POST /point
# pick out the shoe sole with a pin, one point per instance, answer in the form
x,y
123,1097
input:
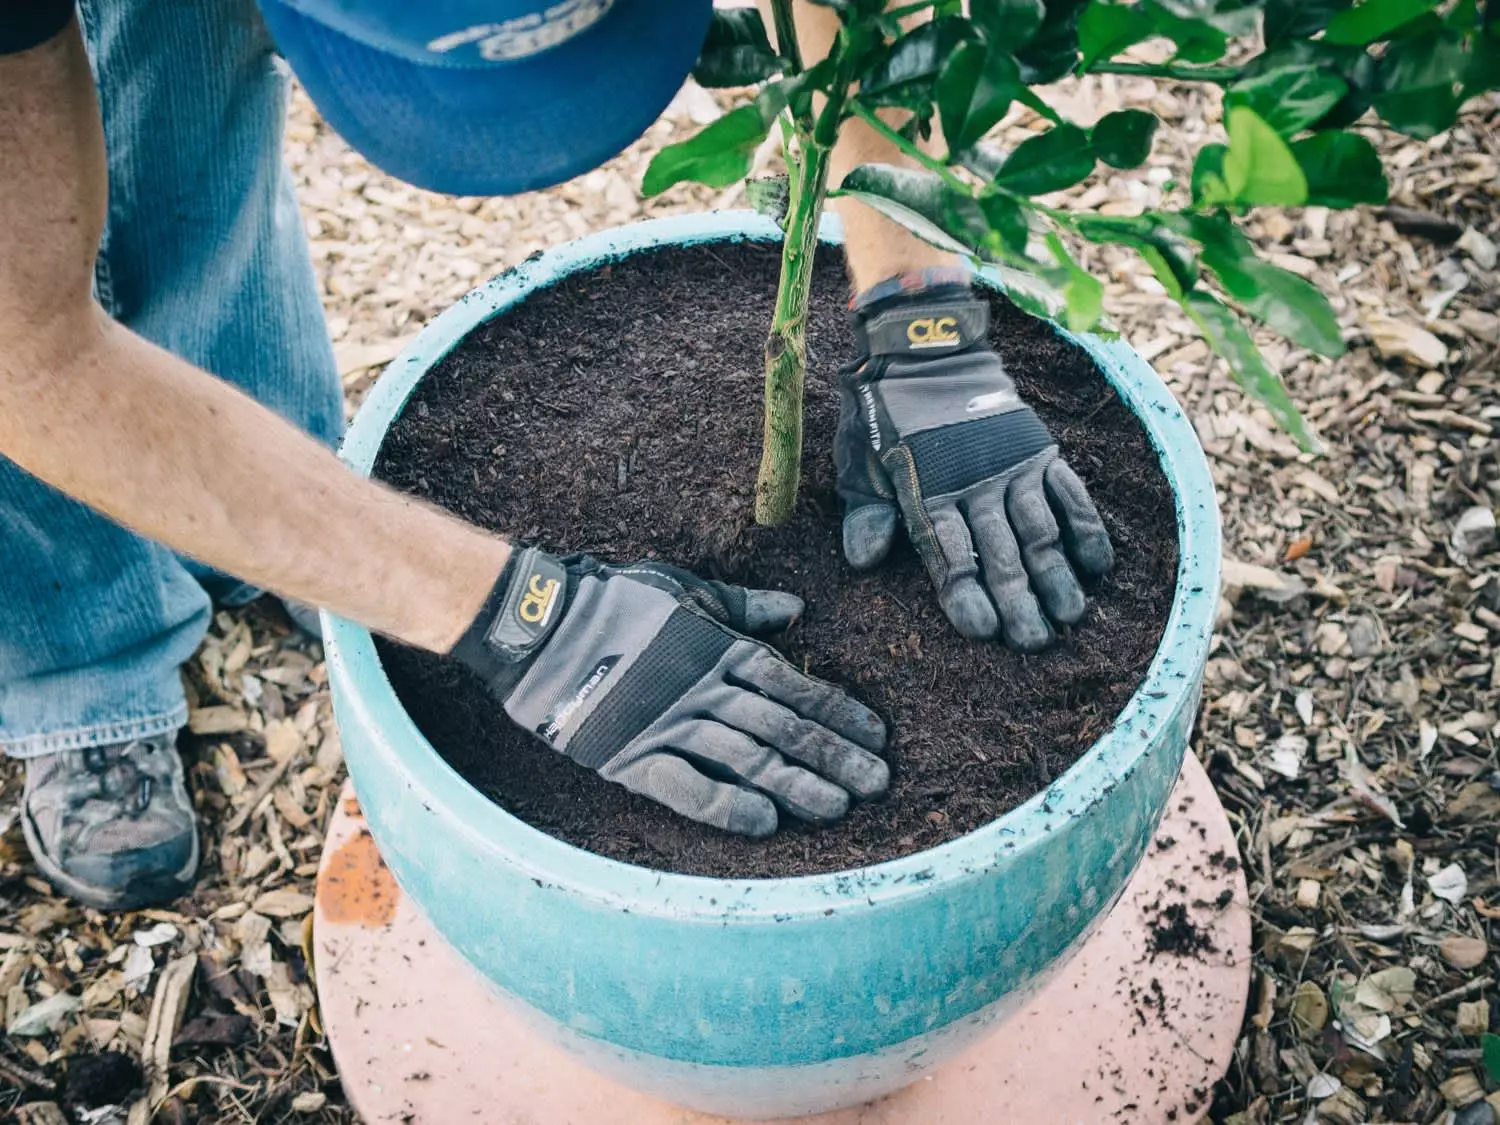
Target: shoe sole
x,y
149,891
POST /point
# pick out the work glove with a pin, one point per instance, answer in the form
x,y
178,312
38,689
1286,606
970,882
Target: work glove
x,y
642,673
930,426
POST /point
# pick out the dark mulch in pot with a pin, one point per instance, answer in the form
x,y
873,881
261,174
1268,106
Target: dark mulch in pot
x,y
619,413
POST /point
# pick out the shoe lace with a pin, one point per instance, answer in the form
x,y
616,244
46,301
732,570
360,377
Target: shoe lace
x,y
114,773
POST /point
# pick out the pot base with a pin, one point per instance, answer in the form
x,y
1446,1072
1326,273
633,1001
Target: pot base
x,y
1137,1027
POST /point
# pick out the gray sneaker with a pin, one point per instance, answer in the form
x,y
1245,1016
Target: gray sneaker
x,y
112,826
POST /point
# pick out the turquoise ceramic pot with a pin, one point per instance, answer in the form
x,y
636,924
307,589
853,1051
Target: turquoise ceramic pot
x,y
773,997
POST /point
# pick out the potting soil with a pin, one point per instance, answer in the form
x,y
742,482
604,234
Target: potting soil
x,y
619,413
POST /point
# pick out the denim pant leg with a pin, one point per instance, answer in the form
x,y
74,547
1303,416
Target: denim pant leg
x,y
204,254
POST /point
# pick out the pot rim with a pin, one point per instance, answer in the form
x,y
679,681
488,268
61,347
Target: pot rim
x,y
363,692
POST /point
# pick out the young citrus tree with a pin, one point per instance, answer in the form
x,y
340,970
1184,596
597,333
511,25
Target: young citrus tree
x,y
1309,70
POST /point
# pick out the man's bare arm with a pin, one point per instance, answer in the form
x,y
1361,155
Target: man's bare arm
x,y
164,448
876,247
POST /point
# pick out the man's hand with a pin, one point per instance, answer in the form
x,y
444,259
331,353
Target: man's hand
x,y
641,673
931,423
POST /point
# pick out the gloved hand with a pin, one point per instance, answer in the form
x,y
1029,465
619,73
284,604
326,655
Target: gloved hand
x,y
931,424
641,673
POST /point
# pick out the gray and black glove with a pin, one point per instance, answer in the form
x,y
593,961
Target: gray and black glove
x,y
641,673
931,424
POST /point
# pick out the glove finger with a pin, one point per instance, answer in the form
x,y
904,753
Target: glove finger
x,y
869,531
760,668
675,783
942,540
722,749
769,611
1083,531
1025,628
743,610
954,572
968,607
1041,550
849,766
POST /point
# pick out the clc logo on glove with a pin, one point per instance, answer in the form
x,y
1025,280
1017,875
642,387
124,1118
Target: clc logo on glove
x,y
932,332
536,604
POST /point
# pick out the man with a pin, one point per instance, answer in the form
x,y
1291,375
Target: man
x,y
151,237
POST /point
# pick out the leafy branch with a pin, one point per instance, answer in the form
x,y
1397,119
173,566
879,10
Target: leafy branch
x,y
1321,67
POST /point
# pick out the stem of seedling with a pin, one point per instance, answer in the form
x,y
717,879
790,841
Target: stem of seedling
x,y
1171,73
786,345
908,146
786,36
908,10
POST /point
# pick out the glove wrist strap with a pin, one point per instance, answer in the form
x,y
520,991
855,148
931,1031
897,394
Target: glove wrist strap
x,y
919,329
919,315
519,615
910,282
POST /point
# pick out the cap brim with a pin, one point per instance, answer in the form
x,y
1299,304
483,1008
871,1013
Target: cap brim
x,y
505,129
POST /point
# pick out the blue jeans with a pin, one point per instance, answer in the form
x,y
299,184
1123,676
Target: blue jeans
x,y
205,255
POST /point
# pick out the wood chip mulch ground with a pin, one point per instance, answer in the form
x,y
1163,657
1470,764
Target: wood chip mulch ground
x,y
1351,710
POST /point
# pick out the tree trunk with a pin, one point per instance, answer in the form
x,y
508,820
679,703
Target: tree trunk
x,y
786,346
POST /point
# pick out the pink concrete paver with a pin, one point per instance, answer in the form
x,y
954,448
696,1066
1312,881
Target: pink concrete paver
x,y
1120,1034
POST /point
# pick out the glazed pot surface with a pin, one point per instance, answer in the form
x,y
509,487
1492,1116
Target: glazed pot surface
x,y
774,997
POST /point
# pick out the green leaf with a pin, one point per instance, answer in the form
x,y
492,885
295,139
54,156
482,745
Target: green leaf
x,y
1208,186
1032,292
854,10
1150,235
1259,168
974,90
1027,97
1197,41
737,51
1057,159
922,202
719,155
1276,297
1490,1046
1289,99
1342,170
1229,338
858,47
1484,69
907,72
1295,19
1340,994
1374,19
1352,64
984,160
1464,16
1104,30
1053,51
1007,24
1007,219
1419,83
769,195
889,22
1083,292
1123,139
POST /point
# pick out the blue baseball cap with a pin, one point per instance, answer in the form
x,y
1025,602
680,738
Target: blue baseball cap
x,y
489,97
